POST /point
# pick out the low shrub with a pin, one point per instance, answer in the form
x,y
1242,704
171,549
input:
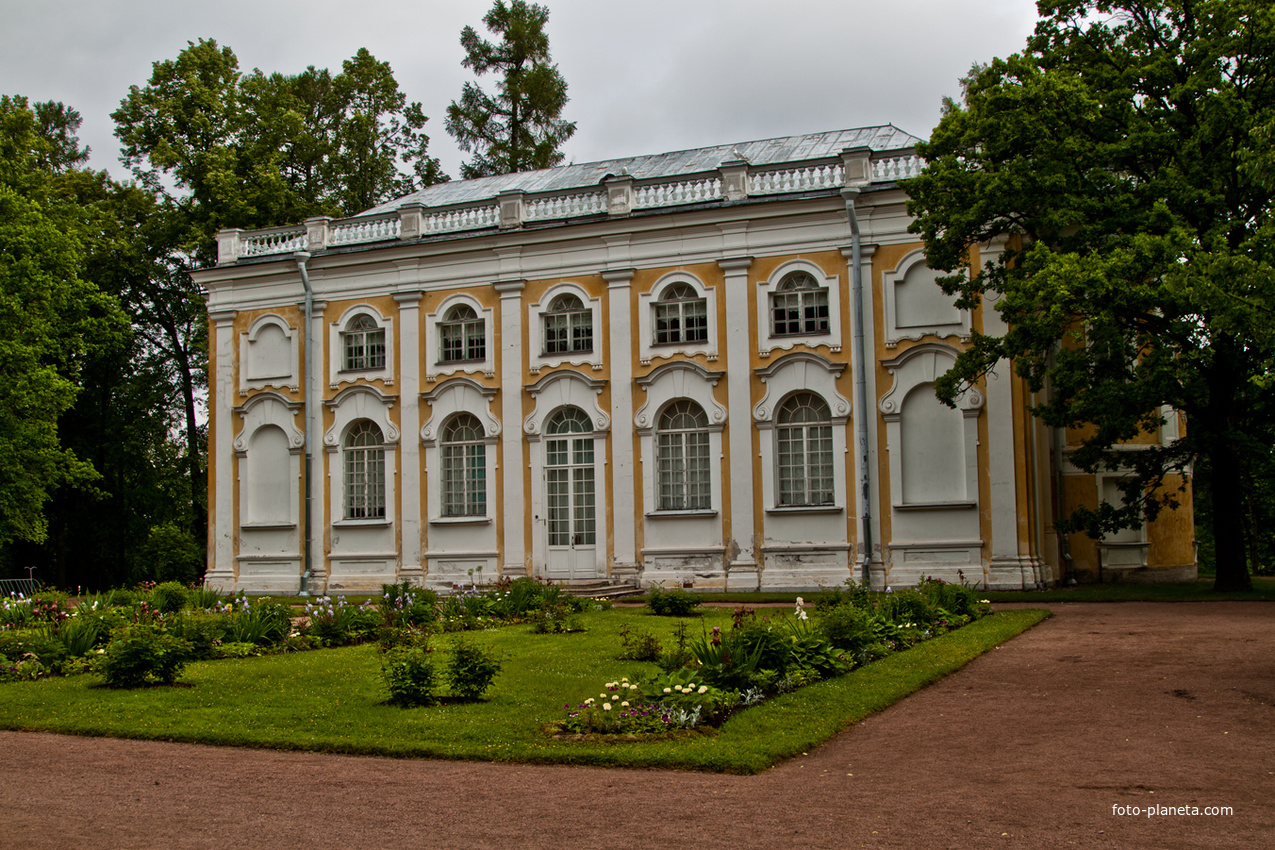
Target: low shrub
x,y
142,654
169,597
203,631
335,622
204,598
471,669
847,627
671,603
408,674
404,605
262,621
642,646
557,618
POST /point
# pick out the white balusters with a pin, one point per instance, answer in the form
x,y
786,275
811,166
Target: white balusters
x,y
692,191
353,231
896,168
565,206
802,178
469,218
274,241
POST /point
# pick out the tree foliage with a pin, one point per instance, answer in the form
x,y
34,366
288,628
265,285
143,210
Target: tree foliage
x,y
520,127
1125,155
51,318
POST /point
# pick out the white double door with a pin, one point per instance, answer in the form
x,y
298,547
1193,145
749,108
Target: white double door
x,y
571,507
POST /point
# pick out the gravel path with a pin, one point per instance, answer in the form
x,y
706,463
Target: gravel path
x,y
1032,745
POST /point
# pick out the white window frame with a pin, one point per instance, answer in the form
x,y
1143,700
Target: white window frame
x,y
819,459
664,385
538,358
768,340
801,371
454,396
366,460
436,367
894,333
286,376
649,349
337,373
361,401
269,409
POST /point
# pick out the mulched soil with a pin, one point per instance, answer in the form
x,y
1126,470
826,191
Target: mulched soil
x,y
1134,705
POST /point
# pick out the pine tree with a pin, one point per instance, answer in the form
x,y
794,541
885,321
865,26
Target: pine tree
x,y
520,127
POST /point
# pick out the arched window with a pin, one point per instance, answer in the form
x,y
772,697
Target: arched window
x,y
568,326
364,483
364,344
799,306
683,462
804,451
462,335
681,315
464,455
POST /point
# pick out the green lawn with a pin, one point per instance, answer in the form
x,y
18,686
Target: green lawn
x,y
333,701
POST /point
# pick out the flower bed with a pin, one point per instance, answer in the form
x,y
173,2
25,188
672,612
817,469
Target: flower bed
x,y
706,680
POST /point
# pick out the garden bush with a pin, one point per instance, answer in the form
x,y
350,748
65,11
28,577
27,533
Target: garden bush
x,y
142,654
471,669
262,621
671,603
642,646
408,673
404,605
169,597
335,622
847,627
203,631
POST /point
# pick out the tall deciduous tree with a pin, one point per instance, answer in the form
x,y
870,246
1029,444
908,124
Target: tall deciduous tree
x,y
51,318
521,126
220,149
1126,154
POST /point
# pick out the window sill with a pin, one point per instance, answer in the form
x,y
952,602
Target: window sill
x,y
460,520
263,526
375,522
461,362
800,334
805,509
690,514
936,506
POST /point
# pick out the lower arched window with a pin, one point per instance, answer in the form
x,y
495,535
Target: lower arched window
x,y
364,482
464,455
683,461
804,451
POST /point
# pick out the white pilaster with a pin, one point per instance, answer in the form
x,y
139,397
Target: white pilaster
x,y
1008,569
620,351
742,571
317,585
513,515
409,364
221,569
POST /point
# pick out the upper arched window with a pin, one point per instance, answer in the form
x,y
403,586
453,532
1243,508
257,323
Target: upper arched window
x,y
799,306
681,315
568,326
363,343
803,426
462,335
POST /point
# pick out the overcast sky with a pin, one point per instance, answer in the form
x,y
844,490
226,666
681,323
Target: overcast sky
x,y
644,76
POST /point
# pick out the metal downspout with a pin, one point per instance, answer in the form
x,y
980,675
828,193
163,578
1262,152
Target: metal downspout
x,y
301,257
860,383
1064,545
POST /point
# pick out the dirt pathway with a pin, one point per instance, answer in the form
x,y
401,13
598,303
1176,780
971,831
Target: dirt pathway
x,y
1032,745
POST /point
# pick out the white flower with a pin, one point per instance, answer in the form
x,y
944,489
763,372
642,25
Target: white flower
x,y
606,706
668,690
799,602
589,701
633,687
604,696
703,689
624,704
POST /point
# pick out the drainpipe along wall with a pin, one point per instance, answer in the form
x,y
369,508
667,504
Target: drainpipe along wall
x,y
860,385
301,257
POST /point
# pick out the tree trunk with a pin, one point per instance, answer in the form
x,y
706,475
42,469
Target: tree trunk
x,y
1228,518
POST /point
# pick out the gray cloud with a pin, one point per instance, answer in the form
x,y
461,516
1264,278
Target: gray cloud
x,y
643,77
